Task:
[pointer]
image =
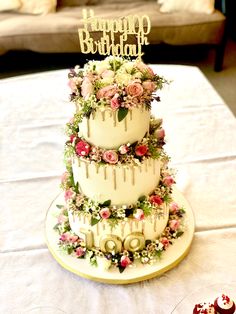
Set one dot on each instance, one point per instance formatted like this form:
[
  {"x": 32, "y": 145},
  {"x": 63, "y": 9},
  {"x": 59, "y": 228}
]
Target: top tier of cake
[{"x": 113, "y": 100}]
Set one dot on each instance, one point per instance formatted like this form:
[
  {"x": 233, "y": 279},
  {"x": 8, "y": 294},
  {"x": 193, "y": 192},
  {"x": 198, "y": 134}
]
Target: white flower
[
  {"x": 128, "y": 66},
  {"x": 123, "y": 78},
  {"x": 101, "y": 66},
  {"x": 103, "y": 263},
  {"x": 77, "y": 69},
  {"x": 107, "y": 80},
  {"x": 137, "y": 75}
]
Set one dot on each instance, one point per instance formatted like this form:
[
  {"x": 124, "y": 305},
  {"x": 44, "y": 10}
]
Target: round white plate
[{"x": 137, "y": 272}]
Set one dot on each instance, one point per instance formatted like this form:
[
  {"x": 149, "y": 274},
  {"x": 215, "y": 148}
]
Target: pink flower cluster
[
  {"x": 128, "y": 84},
  {"x": 68, "y": 237},
  {"x": 83, "y": 149}
]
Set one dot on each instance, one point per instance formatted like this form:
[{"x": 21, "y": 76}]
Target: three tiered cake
[{"x": 118, "y": 208}]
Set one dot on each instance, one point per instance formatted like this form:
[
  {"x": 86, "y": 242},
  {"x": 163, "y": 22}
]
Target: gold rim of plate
[{"x": 81, "y": 267}]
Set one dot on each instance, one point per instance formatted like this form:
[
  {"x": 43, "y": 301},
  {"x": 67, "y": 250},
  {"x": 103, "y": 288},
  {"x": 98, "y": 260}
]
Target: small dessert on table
[
  {"x": 204, "y": 308},
  {"x": 224, "y": 305}
]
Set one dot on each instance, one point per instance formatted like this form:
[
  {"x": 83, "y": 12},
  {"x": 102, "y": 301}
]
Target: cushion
[
  {"x": 37, "y": 6},
  {"x": 198, "y": 6},
  {"x": 7, "y": 5},
  {"x": 74, "y": 3}
]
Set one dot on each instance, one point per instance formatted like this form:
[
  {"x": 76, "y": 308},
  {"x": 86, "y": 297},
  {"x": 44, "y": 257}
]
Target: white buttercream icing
[
  {"x": 103, "y": 129},
  {"x": 122, "y": 184}
]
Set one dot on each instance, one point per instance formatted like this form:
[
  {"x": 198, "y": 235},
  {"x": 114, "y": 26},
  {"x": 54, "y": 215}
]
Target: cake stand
[{"x": 134, "y": 273}]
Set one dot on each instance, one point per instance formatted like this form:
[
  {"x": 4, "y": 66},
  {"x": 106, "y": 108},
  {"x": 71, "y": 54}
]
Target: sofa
[{"x": 57, "y": 32}]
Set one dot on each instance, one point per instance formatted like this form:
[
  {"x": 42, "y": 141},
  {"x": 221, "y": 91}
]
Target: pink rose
[
  {"x": 141, "y": 150},
  {"x": 134, "y": 89},
  {"x": 145, "y": 69},
  {"x": 107, "y": 92},
  {"x": 138, "y": 214},
  {"x": 160, "y": 133},
  {"x": 107, "y": 74},
  {"x": 125, "y": 261},
  {"x": 105, "y": 213},
  {"x": 115, "y": 102},
  {"x": 82, "y": 148},
  {"x": 72, "y": 238},
  {"x": 155, "y": 199},
  {"x": 65, "y": 236},
  {"x": 174, "y": 207},
  {"x": 165, "y": 242},
  {"x": 149, "y": 86},
  {"x": 69, "y": 194},
  {"x": 174, "y": 224},
  {"x": 124, "y": 149},
  {"x": 110, "y": 156},
  {"x": 80, "y": 252},
  {"x": 86, "y": 88},
  {"x": 168, "y": 181}
]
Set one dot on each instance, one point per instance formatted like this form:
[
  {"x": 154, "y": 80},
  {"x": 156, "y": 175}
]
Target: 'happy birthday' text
[{"x": 114, "y": 35}]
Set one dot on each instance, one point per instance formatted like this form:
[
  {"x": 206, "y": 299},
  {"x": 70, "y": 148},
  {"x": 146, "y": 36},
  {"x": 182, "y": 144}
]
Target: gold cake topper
[{"x": 115, "y": 34}]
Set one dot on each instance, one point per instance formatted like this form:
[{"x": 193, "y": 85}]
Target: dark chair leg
[
  {"x": 220, "y": 50},
  {"x": 219, "y": 57}
]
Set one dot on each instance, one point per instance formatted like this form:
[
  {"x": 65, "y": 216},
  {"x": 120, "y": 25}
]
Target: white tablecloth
[{"x": 201, "y": 139}]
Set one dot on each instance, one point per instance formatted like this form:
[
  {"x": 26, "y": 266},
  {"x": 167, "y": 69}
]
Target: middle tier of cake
[{"x": 120, "y": 183}]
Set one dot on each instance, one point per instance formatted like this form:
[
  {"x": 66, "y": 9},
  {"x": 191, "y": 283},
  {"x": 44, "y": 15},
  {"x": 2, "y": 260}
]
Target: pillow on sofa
[
  {"x": 75, "y": 3},
  {"x": 37, "y": 6},
  {"x": 200, "y": 6},
  {"x": 8, "y": 5}
]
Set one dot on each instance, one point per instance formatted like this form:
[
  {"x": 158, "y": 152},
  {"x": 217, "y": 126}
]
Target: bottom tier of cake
[
  {"x": 134, "y": 262},
  {"x": 127, "y": 234},
  {"x": 119, "y": 242}
]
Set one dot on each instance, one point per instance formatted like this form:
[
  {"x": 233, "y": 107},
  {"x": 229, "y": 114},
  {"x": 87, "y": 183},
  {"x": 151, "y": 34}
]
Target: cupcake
[
  {"x": 224, "y": 305},
  {"x": 204, "y": 308}
]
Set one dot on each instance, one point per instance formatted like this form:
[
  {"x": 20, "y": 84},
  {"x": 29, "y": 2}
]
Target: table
[{"x": 201, "y": 138}]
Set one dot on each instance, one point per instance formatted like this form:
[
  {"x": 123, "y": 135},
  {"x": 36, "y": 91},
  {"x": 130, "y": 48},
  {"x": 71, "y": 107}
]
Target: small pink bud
[
  {"x": 125, "y": 261},
  {"x": 174, "y": 224},
  {"x": 174, "y": 207},
  {"x": 168, "y": 181},
  {"x": 138, "y": 214},
  {"x": 105, "y": 213}
]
